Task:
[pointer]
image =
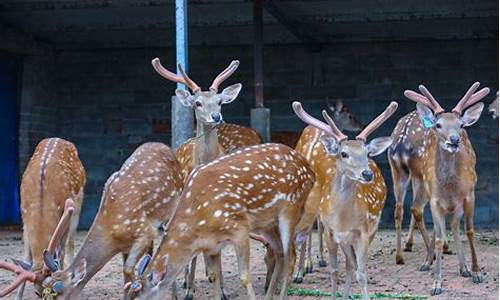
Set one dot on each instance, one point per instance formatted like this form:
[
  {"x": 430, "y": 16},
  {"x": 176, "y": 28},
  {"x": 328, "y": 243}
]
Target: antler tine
[
  {"x": 62, "y": 227},
  {"x": 172, "y": 76},
  {"x": 189, "y": 82},
  {"x": 377, "y": 121},
  {"x": 471, "y": 97},
  {"x": 224, "y": 75},
  {"x": 23, "y": 276},
  {"x": 304, "y": 116},
  {"x": 436, "y": 107},
  {"x": 339, "y": 135}
]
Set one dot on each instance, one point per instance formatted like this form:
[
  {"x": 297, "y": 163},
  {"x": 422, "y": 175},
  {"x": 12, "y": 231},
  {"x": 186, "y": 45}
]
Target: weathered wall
[{"x": 110, "y": 101}]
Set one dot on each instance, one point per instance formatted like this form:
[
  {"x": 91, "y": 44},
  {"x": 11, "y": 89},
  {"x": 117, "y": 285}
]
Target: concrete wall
[{"x": 110, "y": 101}]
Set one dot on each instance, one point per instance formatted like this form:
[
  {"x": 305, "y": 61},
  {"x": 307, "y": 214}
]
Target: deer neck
[
  {"x": 344, "y": 187},
  {"x": 207, "y": 144}
]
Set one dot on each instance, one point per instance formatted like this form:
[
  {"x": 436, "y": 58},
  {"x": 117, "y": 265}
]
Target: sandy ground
[{"x": 384, "y": 275}]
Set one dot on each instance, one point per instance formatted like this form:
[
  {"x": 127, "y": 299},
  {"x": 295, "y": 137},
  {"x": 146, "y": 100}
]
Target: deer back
[{"x": 53, "y": 174}]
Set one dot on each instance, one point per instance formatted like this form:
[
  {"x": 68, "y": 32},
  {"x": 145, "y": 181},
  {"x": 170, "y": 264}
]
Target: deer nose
[
  {"x": 455, "y": 139},
  {"x": 216, "y": 117},
  {"x": 367, "y": 175}
]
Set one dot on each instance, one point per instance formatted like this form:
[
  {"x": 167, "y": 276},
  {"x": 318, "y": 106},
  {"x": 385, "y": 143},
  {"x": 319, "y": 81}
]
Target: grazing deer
[
  {"x": 258, "y": 189},
  {"x": 136, "y": 202},
  {"x": 356, "y": 192},
  {"x": 53, "y": 175},
  {"x": 230, "y": 136},
  {"x": 345, "y": 120},
  {"x": 447, "y": 173},
  {"x": 207, "y": 107},
  {"x": 493, "y": 107}
]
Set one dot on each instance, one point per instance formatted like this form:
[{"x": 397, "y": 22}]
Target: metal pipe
[{"x": 258, "y": 42}]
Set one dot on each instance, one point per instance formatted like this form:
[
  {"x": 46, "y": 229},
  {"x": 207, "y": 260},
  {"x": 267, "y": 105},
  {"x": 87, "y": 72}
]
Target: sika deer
[
  {"x": 136, "y": 202},
  {"x": 447, "y": 168},
  {"x": 54, "y": 174},
  {"x": 259, "y": 189},
  {"x": 356, "y": 193},
  {"x": 207, "y": 106}
]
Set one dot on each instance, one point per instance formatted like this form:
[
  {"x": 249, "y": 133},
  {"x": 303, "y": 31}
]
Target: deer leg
[
  {"x": 349, "y": 264},
  {"x": 321, "y": 229},
  {"x": 334, "y": 271},
  {"x": 469, "y": 227},
  {"x": 361, "y": 250},
  {"x": 299, "y": 276},
  {"x": 439, "y": 217},
  {"x": 243, "y": 254},
  {"x": 190, "y": 280},
  {"x": 212, "y": 268},
  {"x": 309, "y": 264},
  {"x": 278, "y": 266},
  {"x": 138, "y": 249},
  {"x": 400, "y": 178},
  {"x": 455, "y": 223},
  {"x": 270, "y": 260},
  {"x": 286, "y": 233},
  {"x": 28, "y": 258},
  {"x": 409, "y": 238},
  {"x": 417, "y": 210}
]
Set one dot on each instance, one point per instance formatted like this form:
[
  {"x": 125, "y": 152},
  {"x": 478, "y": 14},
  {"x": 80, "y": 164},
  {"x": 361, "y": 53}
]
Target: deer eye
[
  {"x": 198, "y": 104},
  {"x": 350, "y": 117},
  {"x": 344, "y": 155},
  {"x": 438, "y": 126}
]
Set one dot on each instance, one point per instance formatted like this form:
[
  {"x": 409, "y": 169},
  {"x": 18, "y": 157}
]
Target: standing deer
[
  {"x": 447, "y": 173},
  {"x": 53, "y": 175},
  {"x": 136, "y": 202},
  {"x": 258, "y": 189},
  {"x": 206, "y": 147},
  {"x": 355, "y": 191},
  {"x": 345, "y": 120}
]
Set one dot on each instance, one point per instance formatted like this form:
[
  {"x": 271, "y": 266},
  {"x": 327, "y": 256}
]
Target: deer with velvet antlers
[
  {"x": 258, "y": 189},
  {"x": 445, "y": 171},
  {"x": 136, "y": 202},
  {"x": 352, "y": 192},
  {"x": 51, "y": 189}
]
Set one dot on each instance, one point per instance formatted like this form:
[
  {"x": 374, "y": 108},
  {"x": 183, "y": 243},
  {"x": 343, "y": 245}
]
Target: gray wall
[{"x": 109, "y": 101}]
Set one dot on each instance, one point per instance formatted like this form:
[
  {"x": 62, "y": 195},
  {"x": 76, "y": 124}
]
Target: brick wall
[{"x": 110, "y": 101}]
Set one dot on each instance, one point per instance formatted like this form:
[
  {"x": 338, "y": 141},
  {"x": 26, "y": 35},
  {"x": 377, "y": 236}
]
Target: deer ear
[
  {"x": 79, "y": 272},
  {"x": 426, "y": 115},
  {"x": 230, "y": 93},
  {"x": 50, "y": 261},
  {"x": 339, "y": 104},
  {"x": 472, "y": 114},
  {"x": 330, "y": 144},
  {"x": 141, "y": 266},
  {"x": 184, "y": 97},
  {"x": 379, "y": 145}
]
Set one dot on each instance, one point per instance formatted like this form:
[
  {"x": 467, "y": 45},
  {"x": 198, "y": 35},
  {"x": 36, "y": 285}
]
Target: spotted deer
[
  {"x": 345, "y": 120},
  {"x": 258, "y": 189},
  {"x": 53, "y": 175},
  {"x": 136, "y": 202},
  {"x": 447, "y": 174},
  {"x": 205, "y": 147},
  {"x": 230, "y": 136},
  {"x": 493, "y": 107},
  {"x": 353, "y": 193}
]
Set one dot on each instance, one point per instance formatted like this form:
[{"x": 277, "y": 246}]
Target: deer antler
[
  {"x": 471, "y": 97},
  {"x": 427, "y": 99},
  {"x": 184, "y": 79},
  {"x": 22, "y": 276},
  {"x": 224, "y": 75},
  {"x": 330, "y": 128},
  {"x": 62, "y": 227},
  {"x": 377, "y": 121}
]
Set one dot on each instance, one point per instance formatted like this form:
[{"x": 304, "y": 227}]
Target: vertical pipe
[
  {"x": 181, "y": 117},
  {"x": 258, "y": 37}
]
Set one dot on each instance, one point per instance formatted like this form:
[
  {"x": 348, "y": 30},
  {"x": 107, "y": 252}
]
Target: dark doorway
[{"x": 9, "y": 179}]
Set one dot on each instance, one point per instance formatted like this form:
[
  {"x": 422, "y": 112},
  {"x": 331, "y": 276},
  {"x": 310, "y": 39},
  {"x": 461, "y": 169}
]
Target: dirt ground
[{"x": 384, "y": 275}]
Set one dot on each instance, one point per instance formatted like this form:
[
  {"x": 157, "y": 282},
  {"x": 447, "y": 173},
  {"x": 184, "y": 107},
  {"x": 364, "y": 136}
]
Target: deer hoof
[
  {"x": 466, "y": 273},
  {"x": 298, "y": 279},
  {"x": 188, "y": 296},
  {"x": 184, "y": 284},
  {"x": 309, "y": 269},
  {"x": 400, "y": 260},
  {"x": 425, "y": 267},
  {"x": 224, "y": 297},
  {"x": 408, "y": 247},
  {"x": 476, "y": 278},
  {"x": 322, "y": 263},
  {"x": 446, "y": 250},
  {"x": 436, "y": 291}
]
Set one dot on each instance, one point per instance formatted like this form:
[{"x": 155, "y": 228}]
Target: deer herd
[{"x": 225, "y": 187}]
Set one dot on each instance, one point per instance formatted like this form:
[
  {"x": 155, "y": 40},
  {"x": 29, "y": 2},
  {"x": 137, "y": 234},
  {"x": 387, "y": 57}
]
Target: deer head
[
  {"x": 344, "y": 119},
  {"x": 206, "y": 104},
  {"x": 62, "y": 284},
  {"x": 351, "y": 155},
  {"x": 449, "y": 126}
]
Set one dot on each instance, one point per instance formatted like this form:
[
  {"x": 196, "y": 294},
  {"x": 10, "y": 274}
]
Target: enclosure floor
[{"x": 384, "y": 275}]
